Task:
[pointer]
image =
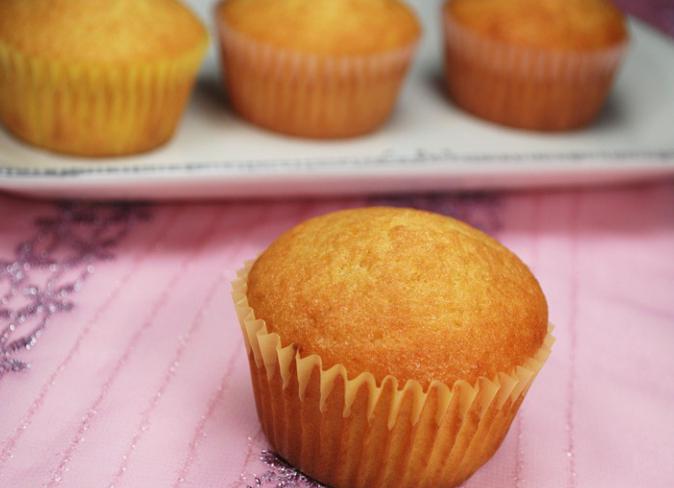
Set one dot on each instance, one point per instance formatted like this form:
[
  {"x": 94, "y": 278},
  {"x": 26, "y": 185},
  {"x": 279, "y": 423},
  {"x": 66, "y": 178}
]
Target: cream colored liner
[
  {"x": 462, "y": 428},
  {"x": 94, "y": 109}
]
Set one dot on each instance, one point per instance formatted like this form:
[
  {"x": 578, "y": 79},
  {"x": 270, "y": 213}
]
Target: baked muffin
[
  {"x": 96, "y": 77},
  {"x": 389, "y": 347},
  {"x": 316, "y": 68},
  {"x": 534, "y": 64}
]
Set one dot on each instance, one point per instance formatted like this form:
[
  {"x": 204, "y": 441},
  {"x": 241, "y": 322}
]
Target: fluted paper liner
[
  {"x": 94, "y": 109},
  {"x": 523, "y": 86},
  {"x": 310, "y": 95},
  {"x": 350, "y": 432}
]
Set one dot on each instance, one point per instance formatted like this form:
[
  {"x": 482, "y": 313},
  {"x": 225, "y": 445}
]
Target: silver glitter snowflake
[
  {"x": 49, "y": 267},
  {"x": 278, "y": 474}
]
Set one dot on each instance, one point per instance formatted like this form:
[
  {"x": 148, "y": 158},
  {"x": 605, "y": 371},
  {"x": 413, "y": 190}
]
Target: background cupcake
[
  {"x": 543, "y": 65},
  {"x": 96, "y": 77},
  {"x": 316, "y": 68},
  {"x": 389, "y": 347}
]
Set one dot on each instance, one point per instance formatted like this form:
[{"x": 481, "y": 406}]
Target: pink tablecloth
[{"x": 139, "y": 376}]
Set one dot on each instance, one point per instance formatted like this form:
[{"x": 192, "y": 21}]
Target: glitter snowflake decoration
[
  {"x": 278, "y": 474},
  {"x": 49, "y": 267}
]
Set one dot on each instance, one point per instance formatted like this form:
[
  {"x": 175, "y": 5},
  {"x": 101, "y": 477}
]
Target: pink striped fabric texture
[{"x": 124, "y": 365}]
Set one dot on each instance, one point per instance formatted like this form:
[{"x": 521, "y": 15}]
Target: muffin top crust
[
  {"x": 549, "y": 24},
  {"x": 399, "y": 292},
  {"x": 323, "y": 27},
  {"x": 99, "y": 31}
]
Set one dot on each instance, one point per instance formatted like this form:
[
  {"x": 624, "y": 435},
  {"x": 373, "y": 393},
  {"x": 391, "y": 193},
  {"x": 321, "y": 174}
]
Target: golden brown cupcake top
[
  {"x": 324, "y": 27},
  {"x": 399, "y": 292},
  {"x": 549, "y": 24},
  {"x": 100, "y": 30}
]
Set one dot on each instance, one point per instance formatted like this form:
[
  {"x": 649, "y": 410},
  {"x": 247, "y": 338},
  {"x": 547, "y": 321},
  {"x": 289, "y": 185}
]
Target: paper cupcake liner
[
  {"x": 94, "y": 109},
  {"x": 350, "y": 432},
  {"x": 526, "y": 87},
  {"x": 309, "y": 95}
]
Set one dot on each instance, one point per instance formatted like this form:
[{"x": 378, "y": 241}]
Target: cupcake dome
[
  {"x": 100, "y": 31},
  {"x": 316, "y": 68},
  {"x": 400, "y": 292},
  {"x": 94, "y": 77},
  {"x": 559, "y": 25},
  {"x": 541, "y": 65},
  {"x": 324, "y": 27},
  {"x": 389, "y": 347}
]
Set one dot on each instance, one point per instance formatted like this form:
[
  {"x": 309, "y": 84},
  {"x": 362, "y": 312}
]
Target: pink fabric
[
  {"x": 660, "y": 13},
  {"x": 145, "y": 383}
]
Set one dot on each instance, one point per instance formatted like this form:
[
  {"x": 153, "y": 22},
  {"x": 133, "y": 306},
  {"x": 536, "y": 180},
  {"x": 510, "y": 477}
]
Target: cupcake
[
  {"x": 541, "y": 65},
  {"x": 96, "y": 77},
  {"x": 389, "y": 347},
  {"x": 316, "y": 68}
]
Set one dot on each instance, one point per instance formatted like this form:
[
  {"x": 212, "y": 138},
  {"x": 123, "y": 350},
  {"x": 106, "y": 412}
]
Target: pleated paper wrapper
[
  {"x": 350, "y": 432},
  {"x": 94, "y": 109}
]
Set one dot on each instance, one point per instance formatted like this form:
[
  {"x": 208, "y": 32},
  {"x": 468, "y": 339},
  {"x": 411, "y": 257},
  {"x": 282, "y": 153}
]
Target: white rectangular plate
[{"x": 427, "y": 145}]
